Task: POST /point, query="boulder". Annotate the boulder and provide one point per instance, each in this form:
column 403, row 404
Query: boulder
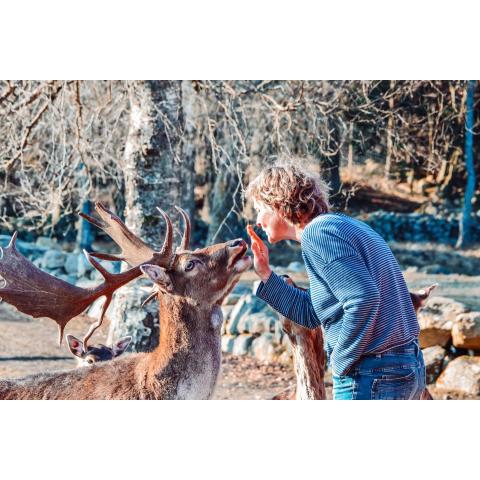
column 236, row 314
column 466, row 331
column 53, row 259
column 232, row 299
column 433, row 357
column 67, row 278
column 71, row 264
column 461, row 377
column 263, row 347
column 435, row 270
column 296, row 267
column 95, row 310
column 241, row 344
column 247, row 305
column 260, row 322
column 226, row 310
column 228, row 342
column 47, row 242
column 436, row 320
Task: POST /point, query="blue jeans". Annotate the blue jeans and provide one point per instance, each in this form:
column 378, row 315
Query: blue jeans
column 397, row 374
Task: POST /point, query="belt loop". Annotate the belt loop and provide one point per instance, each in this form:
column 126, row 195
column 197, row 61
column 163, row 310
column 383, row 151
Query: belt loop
column 417, row 347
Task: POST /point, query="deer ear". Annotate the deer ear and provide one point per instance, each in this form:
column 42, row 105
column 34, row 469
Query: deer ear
column 159, row 276
column 119, row 347
column 75, row 346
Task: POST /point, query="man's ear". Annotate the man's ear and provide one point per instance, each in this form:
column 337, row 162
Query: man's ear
column 75, row 346
column 119, row 347
column 159, row 276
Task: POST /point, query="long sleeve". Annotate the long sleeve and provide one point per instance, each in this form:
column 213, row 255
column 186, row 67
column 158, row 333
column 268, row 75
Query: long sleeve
column 289, row 301
column 351, row 283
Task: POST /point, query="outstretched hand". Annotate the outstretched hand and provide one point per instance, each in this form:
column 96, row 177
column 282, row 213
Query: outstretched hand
column 261, row 262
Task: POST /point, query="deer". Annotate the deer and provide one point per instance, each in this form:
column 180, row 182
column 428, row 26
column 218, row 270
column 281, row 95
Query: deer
column 88, row 356
column 309, row 354
column 190, row 287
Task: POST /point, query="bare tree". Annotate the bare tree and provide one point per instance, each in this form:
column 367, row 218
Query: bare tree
column 465, row 223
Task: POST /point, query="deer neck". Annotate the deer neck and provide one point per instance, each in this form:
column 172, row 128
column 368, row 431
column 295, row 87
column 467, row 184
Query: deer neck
column 188, row 356
column 308, row 361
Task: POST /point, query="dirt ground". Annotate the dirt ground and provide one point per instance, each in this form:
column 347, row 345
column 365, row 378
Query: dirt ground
column 30, row 345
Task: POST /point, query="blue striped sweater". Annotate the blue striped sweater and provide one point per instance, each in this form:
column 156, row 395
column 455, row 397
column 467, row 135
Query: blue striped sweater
column 357, row 291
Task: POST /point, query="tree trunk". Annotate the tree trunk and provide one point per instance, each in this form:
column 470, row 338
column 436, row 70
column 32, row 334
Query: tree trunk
column 465, row 223
column 330, row 166
column 155, row 176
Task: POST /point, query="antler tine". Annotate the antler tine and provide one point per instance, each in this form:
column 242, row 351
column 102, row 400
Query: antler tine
column 134, row 250
column 187, row 228
column 11, row 243
column 167, row 247
column 97, row 324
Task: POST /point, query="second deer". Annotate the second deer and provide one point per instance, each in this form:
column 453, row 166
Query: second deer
column 87, row 356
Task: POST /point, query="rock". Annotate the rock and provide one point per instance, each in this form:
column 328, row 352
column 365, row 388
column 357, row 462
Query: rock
column 466, row 331
column 84, row 266
column 46, row 242
column 436, row 320
column 461, row 377
column 71, row 264
column 226, row 310
column 296, row 267
column 248, row 304
column 241, row 344
column 228, row 342
column 142, row 323
column 232, row 299
column 285, row 358
column 95, row 310
column 237, row 312
column 435, row 270
column 433, row 357
column 53, row 259
column 67, row 278
column 263, row 348
column 259, row 322
column 86, row 283
column 241, row 289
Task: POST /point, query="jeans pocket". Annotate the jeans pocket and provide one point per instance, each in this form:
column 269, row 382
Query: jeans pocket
column 395, row 386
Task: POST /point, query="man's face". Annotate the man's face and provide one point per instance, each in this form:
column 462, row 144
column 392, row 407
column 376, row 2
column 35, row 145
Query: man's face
column 272, row 223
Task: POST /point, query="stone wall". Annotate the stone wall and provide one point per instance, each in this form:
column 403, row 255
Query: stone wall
column 418, row 227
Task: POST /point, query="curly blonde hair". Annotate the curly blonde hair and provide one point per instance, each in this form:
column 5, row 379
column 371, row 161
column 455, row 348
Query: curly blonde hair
column 296, row 193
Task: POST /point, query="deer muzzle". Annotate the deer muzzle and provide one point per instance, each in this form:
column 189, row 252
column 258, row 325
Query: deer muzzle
column 237, row 259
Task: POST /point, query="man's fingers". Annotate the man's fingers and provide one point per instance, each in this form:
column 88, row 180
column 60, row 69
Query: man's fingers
column 253, row 235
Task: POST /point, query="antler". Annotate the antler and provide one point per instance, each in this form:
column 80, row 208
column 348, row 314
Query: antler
column 40, row 294
column 187, row 229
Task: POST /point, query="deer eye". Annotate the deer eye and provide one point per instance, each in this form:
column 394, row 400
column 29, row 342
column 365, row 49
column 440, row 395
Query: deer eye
column 90, row 360
column 189, row 265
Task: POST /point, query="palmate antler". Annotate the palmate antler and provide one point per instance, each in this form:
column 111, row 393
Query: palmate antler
column 40, row 294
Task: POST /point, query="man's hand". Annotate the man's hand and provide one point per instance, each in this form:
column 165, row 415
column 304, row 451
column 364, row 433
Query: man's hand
column 260, row 255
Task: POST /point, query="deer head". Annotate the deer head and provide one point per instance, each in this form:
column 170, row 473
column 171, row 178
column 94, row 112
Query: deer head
column 89, row 356
column 204, row 276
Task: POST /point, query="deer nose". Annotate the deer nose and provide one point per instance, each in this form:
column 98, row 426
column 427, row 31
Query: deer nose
column 237, row 243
